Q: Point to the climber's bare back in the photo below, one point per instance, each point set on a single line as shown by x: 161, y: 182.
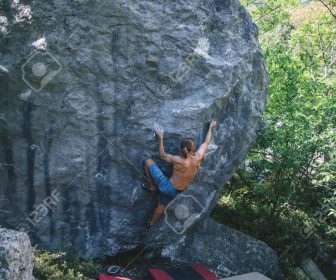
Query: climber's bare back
x: 184, y: 171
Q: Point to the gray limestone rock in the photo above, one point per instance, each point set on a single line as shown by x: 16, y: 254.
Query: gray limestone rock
x: 225, y: 250
x: 15, y: 255
x: 82, y: 84
x: 311, y: 269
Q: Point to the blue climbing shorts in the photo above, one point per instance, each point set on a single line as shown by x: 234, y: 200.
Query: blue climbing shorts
x: 166, y: 189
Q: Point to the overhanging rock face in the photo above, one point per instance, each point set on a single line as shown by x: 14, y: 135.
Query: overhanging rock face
x: 77, y: 121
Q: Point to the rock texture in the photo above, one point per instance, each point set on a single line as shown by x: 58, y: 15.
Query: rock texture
x: 249, y: 276
x: 225, y: 250
x: 15, y: 255
x: 311, y: 269
x: 77, y: 116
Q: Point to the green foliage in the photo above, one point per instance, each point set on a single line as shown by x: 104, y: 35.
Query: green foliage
x: 284, y: 193
x: 315, y: 43
x: 51, y: 266
x: 268, y: 14
x: 330, y: 5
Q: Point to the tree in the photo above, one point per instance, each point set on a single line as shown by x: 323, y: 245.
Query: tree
x: 289, y: 177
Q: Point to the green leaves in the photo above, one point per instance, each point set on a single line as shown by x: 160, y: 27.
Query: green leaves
x: 290, y: 175
x: 301, y: 117
x: 315, y: 44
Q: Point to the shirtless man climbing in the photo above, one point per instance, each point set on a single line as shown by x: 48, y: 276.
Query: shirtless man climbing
x: 184, y: 170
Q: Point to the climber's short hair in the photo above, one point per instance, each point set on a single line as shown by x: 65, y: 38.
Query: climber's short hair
x: 187, y: 146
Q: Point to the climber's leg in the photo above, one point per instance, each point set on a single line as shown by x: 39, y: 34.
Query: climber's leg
x: 147, y: 163
x: 162, y: 204
x: 157, y: 213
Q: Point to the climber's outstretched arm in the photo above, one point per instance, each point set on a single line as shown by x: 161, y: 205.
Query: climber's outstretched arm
x: 166, y: 157
x: 202, y: 149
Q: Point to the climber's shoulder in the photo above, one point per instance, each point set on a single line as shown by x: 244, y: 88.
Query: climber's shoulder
x: 173, y: 159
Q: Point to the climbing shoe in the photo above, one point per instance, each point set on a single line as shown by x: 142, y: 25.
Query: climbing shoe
x: 147, y: 188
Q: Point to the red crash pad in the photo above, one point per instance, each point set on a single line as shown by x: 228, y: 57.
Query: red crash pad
x: 108, y: 277
x: 193, y: 272
x: 204, y: 272
x: 159, y: 274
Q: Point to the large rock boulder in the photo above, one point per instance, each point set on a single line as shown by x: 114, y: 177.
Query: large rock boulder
x: 82, y: 84
x: 15, y: 255
x: 225, y: 250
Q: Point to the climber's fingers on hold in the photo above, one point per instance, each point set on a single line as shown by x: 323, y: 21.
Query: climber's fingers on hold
x: 213, y: 123
x: 158, y: 131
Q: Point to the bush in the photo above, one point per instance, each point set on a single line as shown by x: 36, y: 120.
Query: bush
x: 53, y: 266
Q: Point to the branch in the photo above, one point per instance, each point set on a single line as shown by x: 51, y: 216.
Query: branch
x: 330, y: 11
x: 250, y: 3
x: 269, y: 12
